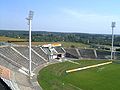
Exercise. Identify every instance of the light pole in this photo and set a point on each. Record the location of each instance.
(113, 26)
(29, 18)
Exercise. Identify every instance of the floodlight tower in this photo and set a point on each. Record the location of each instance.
(29, 18)
(113, 26)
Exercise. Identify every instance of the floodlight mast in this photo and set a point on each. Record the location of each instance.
(30, 17)
(113, 26)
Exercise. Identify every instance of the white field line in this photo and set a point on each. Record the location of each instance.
(73, 62)
(75, 87)
(87, 67)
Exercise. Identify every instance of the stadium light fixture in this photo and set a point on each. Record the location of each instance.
(113, 26)
(29, 18)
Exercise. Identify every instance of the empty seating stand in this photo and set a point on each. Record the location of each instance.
(16, 57)
(41, 52)
(47, 50)
(35, 58)
(8, 63)
(59, 50)
(116, 55)
(72, 53)
(103, 54)
(87, 53)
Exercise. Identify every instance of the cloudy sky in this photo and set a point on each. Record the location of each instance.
(84, 16)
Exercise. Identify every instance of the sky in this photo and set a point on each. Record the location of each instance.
(82, 16)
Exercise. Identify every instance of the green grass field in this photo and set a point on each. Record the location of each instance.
(53, 77)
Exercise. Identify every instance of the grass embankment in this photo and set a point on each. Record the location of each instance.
(6, 39)
(53, 77)
(64, 44)
(24, 42)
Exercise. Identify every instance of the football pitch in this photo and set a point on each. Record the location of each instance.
(106, 77)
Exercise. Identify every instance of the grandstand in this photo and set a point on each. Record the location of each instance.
(90, 54)
(16, 59)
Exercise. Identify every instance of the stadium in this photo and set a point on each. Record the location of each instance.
(68, 45)
(54, 67)
(49, 65)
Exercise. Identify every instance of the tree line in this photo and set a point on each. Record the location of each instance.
(43, 36)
